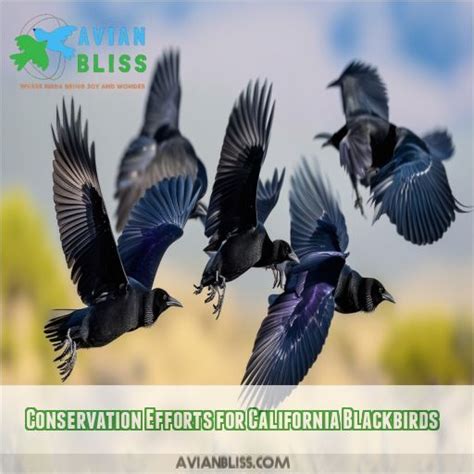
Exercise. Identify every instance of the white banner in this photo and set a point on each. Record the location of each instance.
(335, 428)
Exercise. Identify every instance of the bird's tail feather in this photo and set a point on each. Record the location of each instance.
(57, 331)
(20, 60)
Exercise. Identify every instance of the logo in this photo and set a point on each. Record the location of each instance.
(42, 49)
(46, 44)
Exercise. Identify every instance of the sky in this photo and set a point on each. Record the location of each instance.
(422, 50)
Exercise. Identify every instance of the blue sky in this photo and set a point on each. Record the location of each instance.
(435, 36)
(423, 52)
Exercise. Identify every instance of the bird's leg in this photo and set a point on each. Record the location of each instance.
(210, 294)
(67, 357)
(281, 275)
(221, 294)
(198, 289)
(358, 201)
(276, 276)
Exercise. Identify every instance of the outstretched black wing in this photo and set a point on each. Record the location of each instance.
(317, 223)
(162, 108)
(233, 200)
(363, 91)
(84, 227)
(268, 194)
(155, 223)
(413, 190)
(297, 323)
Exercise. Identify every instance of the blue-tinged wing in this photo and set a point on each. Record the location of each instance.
(268, 194)
(440, 144)
(317, 223)
(294, 331)
(363, 91)
(155, 223)
(413, 190)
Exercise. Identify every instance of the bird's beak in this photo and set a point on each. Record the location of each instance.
(388, 297)
(333, 84)
(173, 302)
(293, 257)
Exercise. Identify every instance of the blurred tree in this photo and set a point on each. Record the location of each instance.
(434, 350)
(32, 277)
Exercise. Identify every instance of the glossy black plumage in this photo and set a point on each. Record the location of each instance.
(405, 174)
(86, 236)
(160, 151)
(295, 329)
(238, 239)
(118, 300)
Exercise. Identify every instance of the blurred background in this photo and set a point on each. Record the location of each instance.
(424, 54)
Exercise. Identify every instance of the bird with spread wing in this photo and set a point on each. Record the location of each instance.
(405, 172)
(239, 203)
(160, 151)
(114, 282)
(295, 329)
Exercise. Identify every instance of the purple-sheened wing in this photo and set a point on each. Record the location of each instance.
(290, 339)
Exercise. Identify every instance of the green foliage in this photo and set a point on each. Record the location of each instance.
(33, 276)
(434, 350)
(30, 264)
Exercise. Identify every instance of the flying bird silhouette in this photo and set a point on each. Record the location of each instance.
(30, 50)
(239, 205)
(405, 173)
(297, 323)
(55, 39)
(114, 283)
(160, 151)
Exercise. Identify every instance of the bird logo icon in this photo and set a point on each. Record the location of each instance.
(55, 39)
(35, 49)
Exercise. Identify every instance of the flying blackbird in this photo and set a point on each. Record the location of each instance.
(405, 173)
(235, 219)
(114, 284)
(160, 151)
(296, 326)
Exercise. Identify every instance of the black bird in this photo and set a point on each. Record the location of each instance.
(160, 151)
(405, 173)
(294, 331)
(114, 284)
(235, 219)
